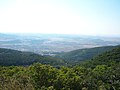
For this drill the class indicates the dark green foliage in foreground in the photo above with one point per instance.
(76, 56)
(45, 77)
(108, 58)
(101, 73)
(10, 57)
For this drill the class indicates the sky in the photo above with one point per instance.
(85, 17)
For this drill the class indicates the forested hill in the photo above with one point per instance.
(106, 58)
(13, 57)
(102, 73)
(76, 56)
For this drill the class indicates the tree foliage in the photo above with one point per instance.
(10, 57)
(101, 73)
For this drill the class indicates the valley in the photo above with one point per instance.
(51, 44)
(59, 62)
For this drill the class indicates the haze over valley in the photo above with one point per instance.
(59, 44)
(51, 44)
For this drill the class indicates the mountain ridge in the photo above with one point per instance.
(79, 55)
(10, 57)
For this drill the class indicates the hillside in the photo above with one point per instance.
(14, 57)
(107, 58)
(76, 56)
(101, 73)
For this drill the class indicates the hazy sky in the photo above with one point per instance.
(89, 17)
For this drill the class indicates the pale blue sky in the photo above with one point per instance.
(87, 17)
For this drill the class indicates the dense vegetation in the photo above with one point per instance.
(76, 56)
(107, 58)
(100, 73)
(13, 57)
